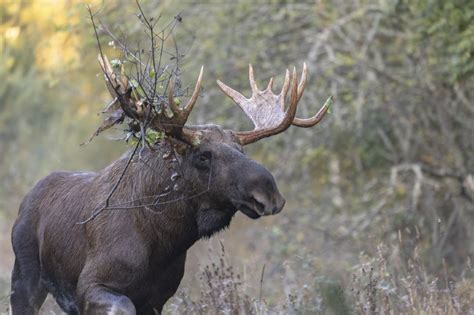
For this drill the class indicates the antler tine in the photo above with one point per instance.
(106, 68)
(233, 94)
(181, 114)
(291, 111)
(105, 64)
(270, 85)
(284, 89)
(118, 87)
(302, 83)
(253, 84)
(310, 122)
(174, 108)
(189, 106)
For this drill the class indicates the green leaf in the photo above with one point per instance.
(133, 83)
(329, 103)
(152, 136)
(116, 63)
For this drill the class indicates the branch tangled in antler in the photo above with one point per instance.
(168, 117)
(139, 94)
(270, 113)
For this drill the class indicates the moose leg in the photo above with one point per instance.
(28, 294)
(99, 300)
(102, 283)
(28, 291)
(147, 309)
(168, 283)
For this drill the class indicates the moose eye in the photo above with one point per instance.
(203, 159)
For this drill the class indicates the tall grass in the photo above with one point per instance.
(385, 283)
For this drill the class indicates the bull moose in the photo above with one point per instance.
(129, 254)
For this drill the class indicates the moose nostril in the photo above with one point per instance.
(279, 207)
(267, 207)
(260, 206)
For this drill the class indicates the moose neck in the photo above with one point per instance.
(168, 207)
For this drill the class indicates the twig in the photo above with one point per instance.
(99, 211)
(123, 47)
(152, 38)
(154, 204)
(148, 75)
(119, 95)
(260, 294)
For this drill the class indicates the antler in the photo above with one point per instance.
(267, 111)
(126, 104)
(173, 124)
(118, 88)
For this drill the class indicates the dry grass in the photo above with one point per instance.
(387, 285)
(383, 284)
(222, 292)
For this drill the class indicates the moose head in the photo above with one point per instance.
(213, 157)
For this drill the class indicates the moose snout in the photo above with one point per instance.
(268, 205)
(258, 194)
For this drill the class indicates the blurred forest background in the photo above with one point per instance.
(380, 195)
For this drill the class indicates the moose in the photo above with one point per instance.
(128, 255)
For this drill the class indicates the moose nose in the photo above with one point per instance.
(279, 205)
(275, 206)
(268, 205)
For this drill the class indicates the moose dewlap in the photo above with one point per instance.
(143, 212)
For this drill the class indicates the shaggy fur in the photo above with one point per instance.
(130, 259)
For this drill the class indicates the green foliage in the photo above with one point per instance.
(446, 30)
(151, 137)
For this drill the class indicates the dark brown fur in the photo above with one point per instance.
(131, 257)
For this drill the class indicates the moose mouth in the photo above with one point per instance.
(249, 209)
(249, 212)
